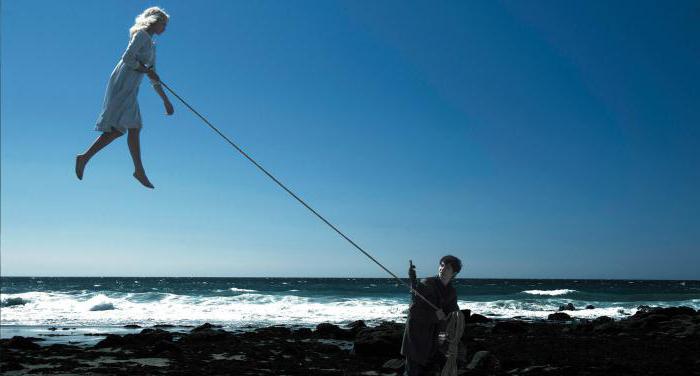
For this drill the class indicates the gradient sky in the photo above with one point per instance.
(533, 139)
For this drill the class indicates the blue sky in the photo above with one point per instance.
(540, 139)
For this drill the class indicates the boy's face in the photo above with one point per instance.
(445, 271)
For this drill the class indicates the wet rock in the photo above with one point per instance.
(602, 320)
(327, 330)
(11, 366)
(163, 326)
(385, 339)
(476, 318)
(147, 337)
(356, 326)
(302, 333)
(393, 364)
(166, 347)
(327, 348)
(11, 302)
(608, 328)
(590, 306)
(484, 361)
(22, 343)
(205, 326)
(537, 370)
(567, 307)
(132, 326)
(560, 316)
(650, 321)
(53, 328)
(509, 327)
(103, 307)
(275, 331)
(112, 340)
(206, 336)
(670, 312)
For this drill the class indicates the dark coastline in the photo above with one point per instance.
(655, 341)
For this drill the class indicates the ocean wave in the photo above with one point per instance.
(506, 309)
(231, 311)
(549, 292)
(259, 309)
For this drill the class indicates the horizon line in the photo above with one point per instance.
(389, 278)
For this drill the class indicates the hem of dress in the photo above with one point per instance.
(121, 129)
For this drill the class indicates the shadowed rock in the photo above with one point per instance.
(510, 327)
(646, 311)
(567, 307)
(602, 320)
(327, 330)
(21, 343)
(484, 361)
(275, 331)
(302, 333)
(205, 326)
(476, 318)
(356, 326)
(385, 339)
(147, 337)
(561, 316)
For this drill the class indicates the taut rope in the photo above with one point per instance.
(261, 168)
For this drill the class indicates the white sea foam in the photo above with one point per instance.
(236, 289)
(549, 292)
(235, 311)
(258, 309)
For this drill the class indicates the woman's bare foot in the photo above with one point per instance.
(143, 179)
(80, 162)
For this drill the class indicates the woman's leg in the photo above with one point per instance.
(103, 140)
(135, 149)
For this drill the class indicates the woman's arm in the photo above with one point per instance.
(166, 102)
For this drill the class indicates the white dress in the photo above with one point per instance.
(120, 109)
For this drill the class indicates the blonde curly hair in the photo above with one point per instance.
(149, 17)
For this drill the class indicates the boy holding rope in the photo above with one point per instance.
(420, 339)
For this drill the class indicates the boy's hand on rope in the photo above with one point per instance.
(440, 315)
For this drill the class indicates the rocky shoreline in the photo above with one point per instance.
(654, 341)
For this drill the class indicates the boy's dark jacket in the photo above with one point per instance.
(420, 338)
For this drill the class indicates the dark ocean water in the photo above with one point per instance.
(241, 302)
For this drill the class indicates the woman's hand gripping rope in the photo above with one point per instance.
(155, 81)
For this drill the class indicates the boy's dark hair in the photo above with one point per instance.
(452, 261)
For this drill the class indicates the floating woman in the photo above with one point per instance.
(120, 111)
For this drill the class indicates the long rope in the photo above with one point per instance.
(455, 329)
(261, 168)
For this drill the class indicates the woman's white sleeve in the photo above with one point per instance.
(135, 44)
